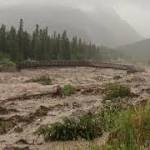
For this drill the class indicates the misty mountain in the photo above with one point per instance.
(101, 27)
(138, 50)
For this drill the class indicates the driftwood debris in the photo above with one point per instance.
(55, 91)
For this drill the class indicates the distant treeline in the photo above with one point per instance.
(20, 45)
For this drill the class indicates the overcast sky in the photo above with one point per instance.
(136, 12)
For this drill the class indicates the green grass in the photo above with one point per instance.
(129, 130)
(68, 90)
(7, 65)
(115, 90)
(86, 127)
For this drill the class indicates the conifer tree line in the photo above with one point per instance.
(21, 45)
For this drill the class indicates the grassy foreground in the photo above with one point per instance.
(130, 130)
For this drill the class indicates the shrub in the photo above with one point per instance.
(86, 127)
(44, 80)
(68, 90)
(7, 65)
(115, 90)
(131, 130)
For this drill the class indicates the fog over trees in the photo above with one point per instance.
(102, 25)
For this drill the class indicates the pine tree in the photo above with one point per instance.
(20, 39)
(12, 44)
(40, 45)
(3, 42)
(35, 41)
(65, 46)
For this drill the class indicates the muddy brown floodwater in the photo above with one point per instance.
(20, 118)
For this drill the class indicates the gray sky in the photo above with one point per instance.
(136, 12)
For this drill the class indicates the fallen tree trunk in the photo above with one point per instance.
(53, 92)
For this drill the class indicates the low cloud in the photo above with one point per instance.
(135, 12)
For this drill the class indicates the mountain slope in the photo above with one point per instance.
(138, 51)
(101, 26)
